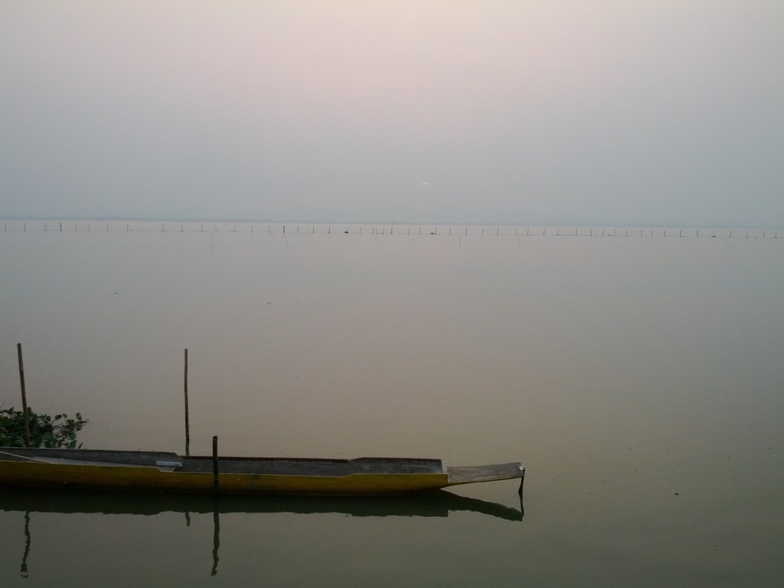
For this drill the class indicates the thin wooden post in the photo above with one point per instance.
(24, 396)
(520, 493)
(215, 482)
(187, 418)
(522, 480)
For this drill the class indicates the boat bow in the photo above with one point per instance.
(485, 473)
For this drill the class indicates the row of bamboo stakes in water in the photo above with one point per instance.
(450, 231)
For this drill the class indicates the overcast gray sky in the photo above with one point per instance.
(664, 112)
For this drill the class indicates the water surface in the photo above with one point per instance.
(639, 378)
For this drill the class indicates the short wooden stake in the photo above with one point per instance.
(25, 412)
(520, 493)
(215, 482)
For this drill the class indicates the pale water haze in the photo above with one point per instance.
(636, 373)
(654, 112)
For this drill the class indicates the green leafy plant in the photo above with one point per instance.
(45, 430)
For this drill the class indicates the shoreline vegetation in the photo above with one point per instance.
(58, 431)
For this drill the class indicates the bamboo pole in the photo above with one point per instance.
(24, 396)
(187, 419)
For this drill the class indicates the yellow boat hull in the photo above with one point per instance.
(167, 472)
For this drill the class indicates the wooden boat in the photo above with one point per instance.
(169, 472)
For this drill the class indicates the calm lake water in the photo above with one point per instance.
(637, 374)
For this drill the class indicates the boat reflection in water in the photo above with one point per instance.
(438, 503)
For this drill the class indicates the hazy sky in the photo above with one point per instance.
(528, 111)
